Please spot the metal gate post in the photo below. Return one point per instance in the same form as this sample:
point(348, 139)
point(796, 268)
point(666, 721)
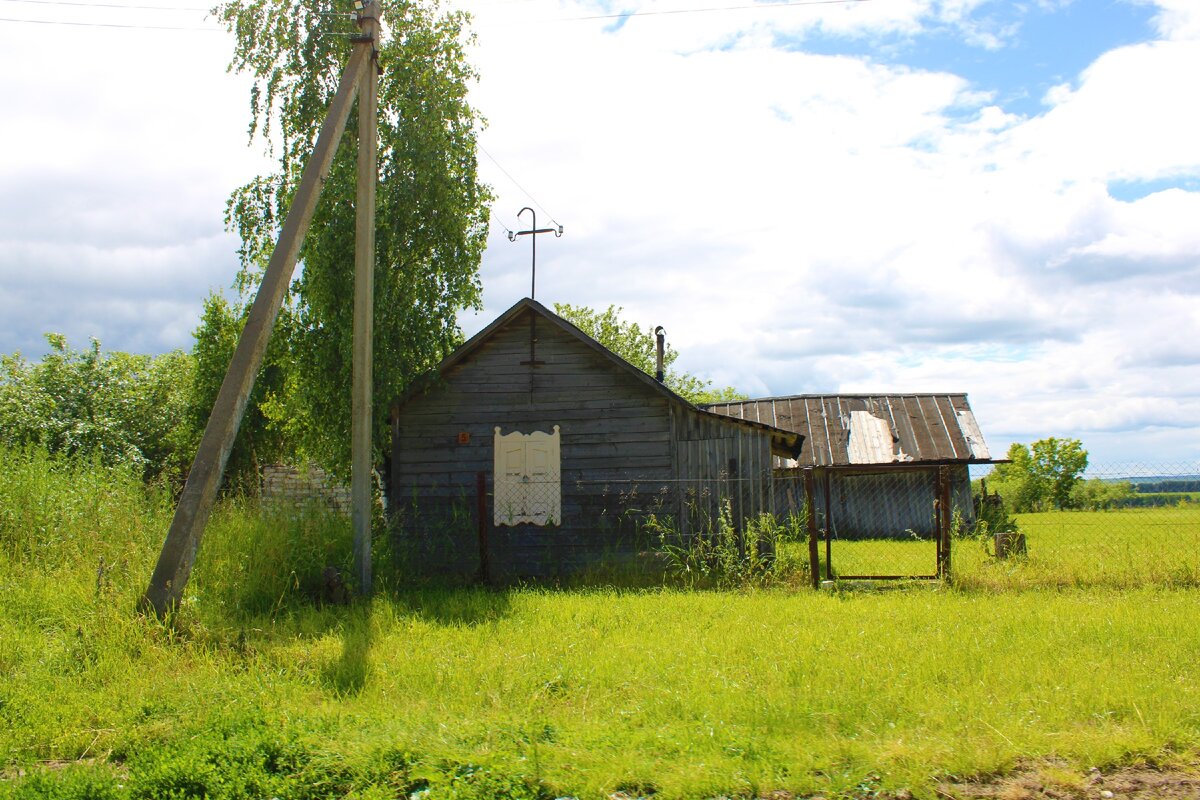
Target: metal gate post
point(828, 526)
point(942, 505)
point(814, 560)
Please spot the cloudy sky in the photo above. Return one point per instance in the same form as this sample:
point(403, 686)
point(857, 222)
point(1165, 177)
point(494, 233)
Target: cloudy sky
point(1001, 198)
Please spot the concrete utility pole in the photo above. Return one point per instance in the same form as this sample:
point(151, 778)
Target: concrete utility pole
point(204, 479)
point(364, 311)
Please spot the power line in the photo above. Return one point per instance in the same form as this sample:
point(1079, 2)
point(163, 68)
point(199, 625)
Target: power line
point(499, 222)
point(754, 7)
point(109, 25)
point(517, 184)
point(107, 5)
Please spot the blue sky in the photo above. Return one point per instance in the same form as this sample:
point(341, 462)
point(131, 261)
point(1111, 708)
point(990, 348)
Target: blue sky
point(1036, 46)
point(893, 195)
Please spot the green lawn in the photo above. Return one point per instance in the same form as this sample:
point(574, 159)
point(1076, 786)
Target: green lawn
point(254, 691)
point(1123, 548)
point(1127, 546)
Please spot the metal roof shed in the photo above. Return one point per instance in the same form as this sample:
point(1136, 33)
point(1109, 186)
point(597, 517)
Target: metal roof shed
point(880, 463)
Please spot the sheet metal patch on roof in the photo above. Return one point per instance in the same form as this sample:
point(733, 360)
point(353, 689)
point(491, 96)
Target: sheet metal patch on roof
point(974, 436)
point(871, 439)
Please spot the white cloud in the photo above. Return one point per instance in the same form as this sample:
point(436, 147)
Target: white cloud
point(802, 222)
point(1177, 19)
point(120, 146)
point(797, 221)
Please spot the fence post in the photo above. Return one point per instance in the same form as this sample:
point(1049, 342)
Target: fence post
point(485, 572)
point(814, 559)
point(828, 479)
point(735, 512)
point(943, 517)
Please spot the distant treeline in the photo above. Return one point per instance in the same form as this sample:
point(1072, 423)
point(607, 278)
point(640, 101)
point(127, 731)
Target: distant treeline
point(1159, 487)
point(1155, 499)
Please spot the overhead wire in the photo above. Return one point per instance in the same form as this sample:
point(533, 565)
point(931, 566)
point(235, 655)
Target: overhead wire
point(107, 5)
point(500, 222)
point(517, 183)
point(110, 25)
point(708, 10)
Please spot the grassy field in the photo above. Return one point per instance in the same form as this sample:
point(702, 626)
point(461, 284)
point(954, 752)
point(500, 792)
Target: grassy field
point(253, 690)
point(1124, 548)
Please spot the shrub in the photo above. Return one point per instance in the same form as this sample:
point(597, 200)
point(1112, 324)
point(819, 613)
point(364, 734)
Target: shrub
point(723, 555)
point(57, 509)
point(256, 560)
point(75, 782)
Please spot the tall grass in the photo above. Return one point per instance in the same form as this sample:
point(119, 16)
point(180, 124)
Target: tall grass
point(56, 511)
point(256, 689)
point(1121, 548)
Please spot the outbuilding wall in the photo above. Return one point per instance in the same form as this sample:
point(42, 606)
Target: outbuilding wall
point(720, 464)
point(616, 455)
point(886, 502)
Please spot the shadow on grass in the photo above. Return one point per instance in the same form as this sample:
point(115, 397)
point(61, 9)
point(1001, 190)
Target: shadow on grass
point(348, 674)
point(455, 606)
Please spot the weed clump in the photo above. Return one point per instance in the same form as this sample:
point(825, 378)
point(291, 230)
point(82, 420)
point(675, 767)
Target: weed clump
point(725, 555)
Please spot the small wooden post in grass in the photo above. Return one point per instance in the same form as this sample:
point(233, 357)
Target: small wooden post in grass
point(1010, 544)
point(814, 559)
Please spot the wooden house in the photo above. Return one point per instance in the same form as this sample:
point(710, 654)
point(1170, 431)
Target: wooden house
point(533, 451)
point(876, 458)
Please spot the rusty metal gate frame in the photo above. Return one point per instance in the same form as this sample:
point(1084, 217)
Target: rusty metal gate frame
point(942, 530)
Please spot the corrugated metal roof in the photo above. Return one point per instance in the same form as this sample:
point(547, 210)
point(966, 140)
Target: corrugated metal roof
point(860, 429)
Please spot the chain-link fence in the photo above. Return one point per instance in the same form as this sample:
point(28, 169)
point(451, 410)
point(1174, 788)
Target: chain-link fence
point(1123, 525)
point(1133, 525)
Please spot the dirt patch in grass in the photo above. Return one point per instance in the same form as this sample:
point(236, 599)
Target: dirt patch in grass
point(1051, 780)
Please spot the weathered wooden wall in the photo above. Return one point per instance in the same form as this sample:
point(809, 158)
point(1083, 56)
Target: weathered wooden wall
point(616, 455)
point(891, 503)
point(718, 460)
point(628, 449)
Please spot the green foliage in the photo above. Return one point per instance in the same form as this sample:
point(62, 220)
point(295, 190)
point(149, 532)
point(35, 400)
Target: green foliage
point(60, 508)
point(431, 208)
point(75, 782)
point(118, 407)
point(992, 515)
point(1166, 486)
point(639, 347)
point(1101, 495)
point(261, 560)
point(1041, 476)
point(1059, 465)
point(728, 557)
point(229, 761)
point(536, 692)
point(1160, 499)
point(263, 436)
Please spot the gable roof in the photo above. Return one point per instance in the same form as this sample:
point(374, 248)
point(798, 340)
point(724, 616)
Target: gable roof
point(783, 440)
point(858, 429)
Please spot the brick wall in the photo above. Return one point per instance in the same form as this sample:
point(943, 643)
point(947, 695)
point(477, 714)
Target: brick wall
point(296, 486)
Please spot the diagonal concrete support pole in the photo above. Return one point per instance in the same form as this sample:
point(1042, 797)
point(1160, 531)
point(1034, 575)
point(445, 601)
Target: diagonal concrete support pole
point(199, 493)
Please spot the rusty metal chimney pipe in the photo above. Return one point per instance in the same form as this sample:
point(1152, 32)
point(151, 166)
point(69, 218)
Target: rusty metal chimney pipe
point(660, 335)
